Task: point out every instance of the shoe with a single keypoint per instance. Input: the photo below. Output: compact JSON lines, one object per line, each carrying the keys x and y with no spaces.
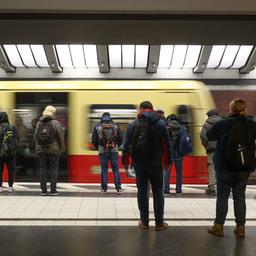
{"x":160,"y":227}
{"x":240,"y":231}
{"x":210,"y":192}
{"x":54,"y":193}
{"x":10,"y":189}
{"x":43,"y":193}
{"x":166,"y":191}
{"x":216,"y":229}
{"x":120,"y":191}
{"x":103,"y":191}
{"x":1,"y":189}
{"x":179,"y":193}
{"x":143,"y":225}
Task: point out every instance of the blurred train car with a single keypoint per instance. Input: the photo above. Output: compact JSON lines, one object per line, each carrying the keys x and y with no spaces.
{"x":80,"y":105}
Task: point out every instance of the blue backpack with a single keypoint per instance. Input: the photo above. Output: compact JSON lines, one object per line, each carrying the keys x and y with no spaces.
{"x":185,"y":143}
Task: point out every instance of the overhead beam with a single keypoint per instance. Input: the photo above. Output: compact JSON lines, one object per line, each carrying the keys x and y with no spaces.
{"x":203,"y":59}
{"x":251,"y":63}
{"x":52,"y":58}
{"x":103,"y":59}
{"x":4,"y":61}
{"x":153,"y":58}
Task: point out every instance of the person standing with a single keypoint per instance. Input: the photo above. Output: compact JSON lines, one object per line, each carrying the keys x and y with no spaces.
{"x":210,"y":147}
{"x":234,"y":160}
{"x":147,"y":142}
{"x":107,"y":138}
{"x":8,"y":147}
{"x":49,"y":144}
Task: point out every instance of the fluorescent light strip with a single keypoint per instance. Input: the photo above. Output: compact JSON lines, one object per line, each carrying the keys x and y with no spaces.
{"x":192,"y":56}
{"x":179,"y":53}
{"x":13,"y":55}
{"x":77,"y":55}
{"x":165,"y":57}
{"x":128,"y":56}
{"x":216,"y":55}
{"x":141,"y":58}
{"x":64,"y":55}
{"x":229,"y":56}
{"x":115,"y":53}
{"x":91,"y":57}
{"x":26,"y":55}
{"x":242,"y":56}
{"x":39,"y":54}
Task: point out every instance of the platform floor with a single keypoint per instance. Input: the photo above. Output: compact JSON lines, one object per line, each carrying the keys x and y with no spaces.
{"x":81,"y":221}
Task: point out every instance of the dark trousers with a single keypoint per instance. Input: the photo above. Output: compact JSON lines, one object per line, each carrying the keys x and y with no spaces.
{"x":226,"y":181}
{"x":49,"y":163}
{"x":9,"y":161}
{"x":153,"y":174}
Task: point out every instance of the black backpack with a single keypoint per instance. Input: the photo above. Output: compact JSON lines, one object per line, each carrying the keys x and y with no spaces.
{"x":239,"y":146}
{"x":8,"y":141}
{"x":108,"y":135}
{"x":46,"y":133}
{"x":143,"y":137}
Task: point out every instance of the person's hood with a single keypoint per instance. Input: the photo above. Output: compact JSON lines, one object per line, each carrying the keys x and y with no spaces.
{"x":149,"y":114}
{"x":45,"y":118}
{"x":106,"y":119}
{"x":213,"y":119}
{"x":4,"y":117}
{"x":174,"y":124}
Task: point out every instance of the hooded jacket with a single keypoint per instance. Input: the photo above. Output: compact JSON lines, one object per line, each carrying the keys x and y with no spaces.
{"x":162,"y":150}
{"x":209,"y":145}
{"x":58,"y":145}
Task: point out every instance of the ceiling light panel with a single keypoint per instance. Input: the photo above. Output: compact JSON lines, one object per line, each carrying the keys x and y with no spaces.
{"x":192,"y":55}
{"x":229,"y":56}
{"x":179,"y":53}
{"x":77,"y":55}
{"x":115,"y":56}
{"x":64,"y":56}
{"x":26,"y":55}
{"x":141,"y":59}
{"x":242,"y":56}
{"x":165,"y":57}
{"x":216,"y":55}
{"x":91,"y":58}
{"x":128,"y":56}
{"x":39,"y":54}
{"x":13,"y":55}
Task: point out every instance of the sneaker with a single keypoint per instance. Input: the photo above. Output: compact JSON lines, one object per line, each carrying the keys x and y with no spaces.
{"x":103,"y":191}
{"x":160,"y":227}
{"x":143,"y":225}
{"x":43,"y":193}
{"x":210,"y":192}
{"x":120,"y":191}
{"x":54,"y":193}
{"x":179,"y":193}
{"x":1,"y":189}
{"x":166,"y":191}
{"x":10,"y":190}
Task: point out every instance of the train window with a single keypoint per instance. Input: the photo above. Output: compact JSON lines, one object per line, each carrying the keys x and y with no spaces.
{"x":122,"y":115}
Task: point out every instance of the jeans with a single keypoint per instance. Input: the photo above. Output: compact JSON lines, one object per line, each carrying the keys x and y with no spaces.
{"x":226,"y":181}
{"x":49,"y":163}
{"x":178,"y":165}
{"x":9,"y":161}
{"x":153,"y":174}
{"x":113,"y":158}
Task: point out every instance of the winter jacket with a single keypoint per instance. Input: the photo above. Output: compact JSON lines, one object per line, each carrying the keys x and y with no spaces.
{"x":219,"y":132}
{"x":58,"y":145}
{"x":162,"y":145}
{"x":209,"y":145}
{"x":95,"y":136}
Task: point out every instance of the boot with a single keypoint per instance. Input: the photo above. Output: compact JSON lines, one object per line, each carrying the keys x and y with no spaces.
{"x":216,"y":229}
{"x":239,"y":230}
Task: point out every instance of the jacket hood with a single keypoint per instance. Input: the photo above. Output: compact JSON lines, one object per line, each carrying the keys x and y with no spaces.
{"x":174,"y":124}
{"x":4,"y":117}
{"x":213,"y":119}
{"x":45,"y":118}
{"x":149,"y":114}
{"x":106,"y":119}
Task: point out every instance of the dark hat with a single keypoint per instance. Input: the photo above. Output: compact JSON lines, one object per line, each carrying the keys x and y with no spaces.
{"x":105,"y":117}
{"x":172,"y":117}
{"x":212,"y":112}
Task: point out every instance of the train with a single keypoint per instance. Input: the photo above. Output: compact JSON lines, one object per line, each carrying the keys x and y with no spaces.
{"x":80,"y":105}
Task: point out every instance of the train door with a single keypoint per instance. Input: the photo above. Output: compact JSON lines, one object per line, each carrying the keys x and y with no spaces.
{"x":28,"y":109}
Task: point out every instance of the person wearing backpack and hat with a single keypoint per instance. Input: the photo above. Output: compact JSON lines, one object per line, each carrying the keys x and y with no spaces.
{"x":8,"y":146}
{"x":107,"y":138}
{"x":210,"y":146}
{"x":49,"y":144}
{"x":234,"y":159}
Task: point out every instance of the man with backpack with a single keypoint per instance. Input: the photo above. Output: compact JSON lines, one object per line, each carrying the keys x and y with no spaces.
{"x":181,"y":145}
{"x":210,"y":146}
{"x":234,"y":160}
{"x":107,"y":138}
{"x":8,"y":146}
{"x":148,"y":144}
{"x":49,"y":143}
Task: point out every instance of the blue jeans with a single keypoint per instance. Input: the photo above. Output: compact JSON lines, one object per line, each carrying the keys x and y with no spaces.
{"x":153,"y":174}
{"x":178,"y":165}
{"x":113,"y":158}
{"x":226,"y":181}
